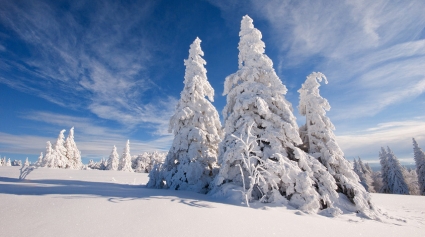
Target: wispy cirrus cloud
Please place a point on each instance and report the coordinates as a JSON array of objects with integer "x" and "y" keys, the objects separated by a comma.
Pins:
[
  {"x": 90, "y": 55},
  {"x": 363, "y": 47}
]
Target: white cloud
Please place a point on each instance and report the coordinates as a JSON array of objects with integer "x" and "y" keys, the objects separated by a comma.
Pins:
[
  {"x": 371, "y": 50},
  {"x": 82, "y": 65},
  {"x": 397, "y": 135}
]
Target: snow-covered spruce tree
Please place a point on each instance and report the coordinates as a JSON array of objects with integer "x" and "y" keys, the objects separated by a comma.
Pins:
[
  {"x": 125, "y": 161},
  {"x": 39, "y": 160},
  {"x": 412, "y": 181},
  {"x": 61, "y": 160},
  {"x": 113, "y": 160},
  {"x": 396, "y": 176},
  {"x": 364, "y": 174},
  {"x": 320, "y": 142},
  {"x": 8, "y": 163},
  {"x": 255, "y": 96},
  {"x": 27, "y": 163},
  {"x": 383, "y": 160},
  {"x": 72, "y": 153},
  {"x": 191, "y": 162},
  {"x": 49, "y": 158},
  {"x": 419, "y": 156}
]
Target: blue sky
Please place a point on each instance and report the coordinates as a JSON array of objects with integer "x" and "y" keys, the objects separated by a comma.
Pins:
[{"x": 114, "y": 69}]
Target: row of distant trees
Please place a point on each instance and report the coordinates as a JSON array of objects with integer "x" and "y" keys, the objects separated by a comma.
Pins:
[
  {"x": 142, "y": 163},
  {"x": 65, "y": 154},
  {"x": 7, "y": 162},
  {"x": 393, "y": 177}
]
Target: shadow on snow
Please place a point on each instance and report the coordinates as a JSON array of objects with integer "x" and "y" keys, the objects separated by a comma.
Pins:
[{"x": 113, "y": 192}]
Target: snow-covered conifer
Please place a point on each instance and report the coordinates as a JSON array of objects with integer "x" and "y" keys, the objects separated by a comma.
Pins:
[
  {"x": 383, "y": 159},
  {"x": 3, "y": 161},
  {"x": 125, "y": 161},
  {"x": 27, "y": 163},
  {"x": 412, "y": 181},
  {"x": 364, "y": 174},
  {"x": 61, "y": 160},
  {"x": 320, "y": 142},
  {"x": 113, "y": 160},
  {"x": 419, "y": 156},
  {"x": 368, "y": 168},
  {"x": 72, "y": 153},
  {"x": 396, "y": 175},
  {"x": 192, "y": 160},
  {"x": 48, "y": 158},
  {"x": 39, "y": 160},
  {"x": 255, "y": 97},
  {"x": 8, "y": 163}
]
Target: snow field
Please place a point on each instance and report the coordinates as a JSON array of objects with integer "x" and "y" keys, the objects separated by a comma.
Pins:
[{"x": 58, "y": 202}]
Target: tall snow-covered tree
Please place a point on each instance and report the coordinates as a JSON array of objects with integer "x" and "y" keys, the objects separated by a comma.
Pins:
[
  {"x": 383, "y": 160},
  {"x": 320, "y": 142},
  {"x": 61, "y": 160},
  {"x": 192, "y": 160},
  {"x": 419, "y": 156},
  {"x": 255, "y": 97},
  {"x": 73, "y": 155},
  {"x": 113, "y": 160},
  {"x": 125, "y": 161},
  {"x": 8, "y": 163},
  {"x": 396, "y": 175}
]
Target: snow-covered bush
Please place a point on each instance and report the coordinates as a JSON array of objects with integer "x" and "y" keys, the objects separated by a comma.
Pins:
[
  {"x": 99, "y": 165},
  {"x": 17, "y": 163},
  {"x": 145, "y": 162},
  {"x": 419, "y": 156},
  {"x": 191, "y": 161}
]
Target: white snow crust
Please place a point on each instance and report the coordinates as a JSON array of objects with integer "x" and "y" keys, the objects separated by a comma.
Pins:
[{"x": 62, "y": 202}]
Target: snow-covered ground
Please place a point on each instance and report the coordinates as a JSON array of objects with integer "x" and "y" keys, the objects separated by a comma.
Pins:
[{"x": 57, "y": 202}]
